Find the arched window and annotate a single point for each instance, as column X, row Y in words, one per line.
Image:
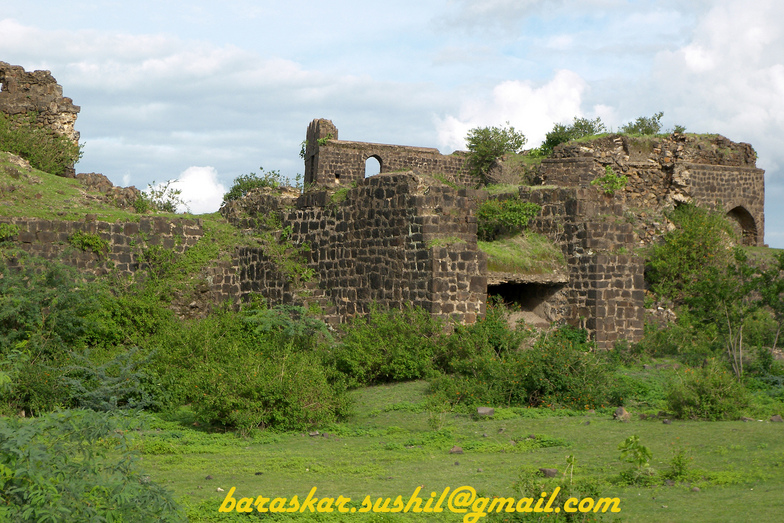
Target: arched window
column 745, row 225
column 372, row 166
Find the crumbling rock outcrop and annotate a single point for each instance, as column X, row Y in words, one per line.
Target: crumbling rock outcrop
column 22, row 92
column 123, row 197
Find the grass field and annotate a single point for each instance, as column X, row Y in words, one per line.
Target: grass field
column 393, row 445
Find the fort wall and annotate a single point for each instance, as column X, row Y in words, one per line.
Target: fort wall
column 329, row 161
column 23, row 92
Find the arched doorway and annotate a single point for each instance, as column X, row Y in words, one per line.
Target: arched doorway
column 745, row 225
column 372, row 166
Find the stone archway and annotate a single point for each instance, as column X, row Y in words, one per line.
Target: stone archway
column 745, row 225
column 373, row 165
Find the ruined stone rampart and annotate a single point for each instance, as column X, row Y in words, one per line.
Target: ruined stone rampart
column 329, row 161
column 707, row 170
column 393, row 240
column 605, row 288
column 22, row 92
column 126, row 242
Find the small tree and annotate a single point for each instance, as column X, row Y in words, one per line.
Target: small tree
column 161, row 197
column 770, row 284
column 487, row 144
column 644, row 125
column 245, row 182
column 562, row 133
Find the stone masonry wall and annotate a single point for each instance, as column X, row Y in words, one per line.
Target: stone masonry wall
column 394, row 240
column 708, row 170
column 22, row 92
column 606, row 282
column 329, row 161
column 126, row 242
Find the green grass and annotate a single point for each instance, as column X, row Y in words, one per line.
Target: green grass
column 30, row 193
column 387, row 452
column 528, row 253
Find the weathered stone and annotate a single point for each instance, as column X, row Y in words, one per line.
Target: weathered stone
column 38, row 92
column 621, row 414
column 485, row 411
column 549, row 473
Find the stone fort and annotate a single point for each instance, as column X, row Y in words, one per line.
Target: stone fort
column 408, row 235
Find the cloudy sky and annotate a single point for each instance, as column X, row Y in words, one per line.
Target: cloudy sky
column 204, row 91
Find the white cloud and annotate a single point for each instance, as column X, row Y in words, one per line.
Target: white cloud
column 199, row 190
column 730, row 79
column 530, row 109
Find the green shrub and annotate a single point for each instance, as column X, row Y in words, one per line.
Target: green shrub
column 75, row 466
column 610, row 182
column 246, row 182
column 284, row 389
column 581, row 127
column 497, row 218
column 700, row 241
column 44, row 149
column 240, row 376
column 48, row 306
column 487, row 144
column 388, row 345
column 708, row 393
column 644, row 125
column 8, row 231
column 114, row 385
column 558, row 371
column 632, row 451
column 88, row 241
column 163, row 197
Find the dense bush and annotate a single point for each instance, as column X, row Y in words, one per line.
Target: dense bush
column 701, row 242
column 561, row 133
column 558, row 371
column 242, row 377
column 387, row 346
column 497, row 218
column 487, row 144
column 644, row 125
column 44, row 149
column 610, row 182
column 245, row 182
column 75, row 466
column 708, row 393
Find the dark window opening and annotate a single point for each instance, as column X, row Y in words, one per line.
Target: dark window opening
column 744, row 225
column 539, row 299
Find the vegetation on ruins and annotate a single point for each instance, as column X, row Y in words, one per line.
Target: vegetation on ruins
column 87, row 241
column 527, row 253
column 610, row 182
column 497, row 218
column 644, row 125
column 45, row 150
column 160, row 197
column 562, row 133
column 244, row 183
column 487, row 144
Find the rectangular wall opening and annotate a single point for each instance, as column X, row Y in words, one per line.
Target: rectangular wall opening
column 541, row 303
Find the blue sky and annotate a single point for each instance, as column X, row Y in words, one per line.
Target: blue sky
column 205, row 91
